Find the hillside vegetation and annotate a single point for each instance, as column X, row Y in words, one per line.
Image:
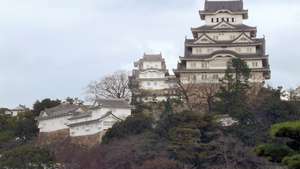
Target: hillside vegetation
column 174, row 135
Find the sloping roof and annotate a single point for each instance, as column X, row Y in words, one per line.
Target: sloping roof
column 58, row 111
column 113, row 103
column 211, row 27
column 233, row 5
column 80, row 115
column 94, row 120
column 153, row 57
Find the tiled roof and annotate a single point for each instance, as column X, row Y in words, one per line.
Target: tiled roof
column 233, row 5
column 211, row 27
column 94, row 120
column 153, row 57
column 58, row 111
column 113, row 103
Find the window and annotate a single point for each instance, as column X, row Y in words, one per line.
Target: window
column 148, row 84
column 193, row 64
column 155, row 83
column 249, row 50
column 215, row 37
column 204, row 65
column 198, row 50
column 215, row 76
column 238, row 49
column 204, row 77
column 194, row 78
column 217, row 19
column 223, row 19
column 254, row 64
column 227, row 19
column 232, row 19
column 212, row 20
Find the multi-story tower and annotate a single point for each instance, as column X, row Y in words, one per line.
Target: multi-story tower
column 223, row 37
column 150, row 80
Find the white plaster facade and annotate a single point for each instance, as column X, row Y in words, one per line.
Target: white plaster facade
column 53, row 124
column 222, row 38
column 152, row 79
column 84, row 120
column 99, row 119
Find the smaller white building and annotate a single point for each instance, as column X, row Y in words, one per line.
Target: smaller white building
column 56, row 118
column 16, row 111
column 150, row 80
column 99, row 118
column 295, row 94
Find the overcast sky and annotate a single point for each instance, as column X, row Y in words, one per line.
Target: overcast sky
column 54, row 48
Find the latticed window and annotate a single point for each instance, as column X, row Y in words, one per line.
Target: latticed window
column 204, row 65
column 254, row 64
column 215, row 76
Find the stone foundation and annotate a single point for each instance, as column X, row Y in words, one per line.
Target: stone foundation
column 53, row 137
column 88, row 141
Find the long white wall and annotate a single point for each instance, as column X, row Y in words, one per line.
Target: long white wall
column 52, row 125
column 151, row 74
column 220, row 63
column 210, row 50
column 156, row 65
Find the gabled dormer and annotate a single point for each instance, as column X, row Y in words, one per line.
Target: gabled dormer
column 224, row 25
column 204, row 39
column 243, row 38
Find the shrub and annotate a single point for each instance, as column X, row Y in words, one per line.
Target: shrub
column 26, row 156
column 288, row 129
column 274, row 152
column 133, row 125
column 293, row 162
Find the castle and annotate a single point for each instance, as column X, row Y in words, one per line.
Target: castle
column 223, row 37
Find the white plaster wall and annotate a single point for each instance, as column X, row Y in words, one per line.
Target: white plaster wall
column 210, row 50
column 151, row 74
column 238, row 18
column 225, row 36
column 196, row 78
column 154, row 85
column 97, row 127
column 148, row 65
column 85, row 130
column 52, row 125
column 217, row 63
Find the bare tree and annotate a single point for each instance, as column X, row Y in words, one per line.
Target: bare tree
column 115, row 85
column 198, row 95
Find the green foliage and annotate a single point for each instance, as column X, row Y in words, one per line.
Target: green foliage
column 26, row 127
column 274, row 152
column 133, row 125
column 293, row 162
column 26, row 157
column 39, row 106
column 288, row 129
column 5, row 136
column 232, row 97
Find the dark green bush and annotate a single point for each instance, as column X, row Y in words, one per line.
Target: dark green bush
column 293, row 162
column 133, row 125
column 274, row 152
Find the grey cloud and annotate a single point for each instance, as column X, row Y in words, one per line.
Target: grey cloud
column 54, row 48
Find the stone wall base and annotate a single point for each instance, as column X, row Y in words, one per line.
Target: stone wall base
column 53, row 137
column 88, row 141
